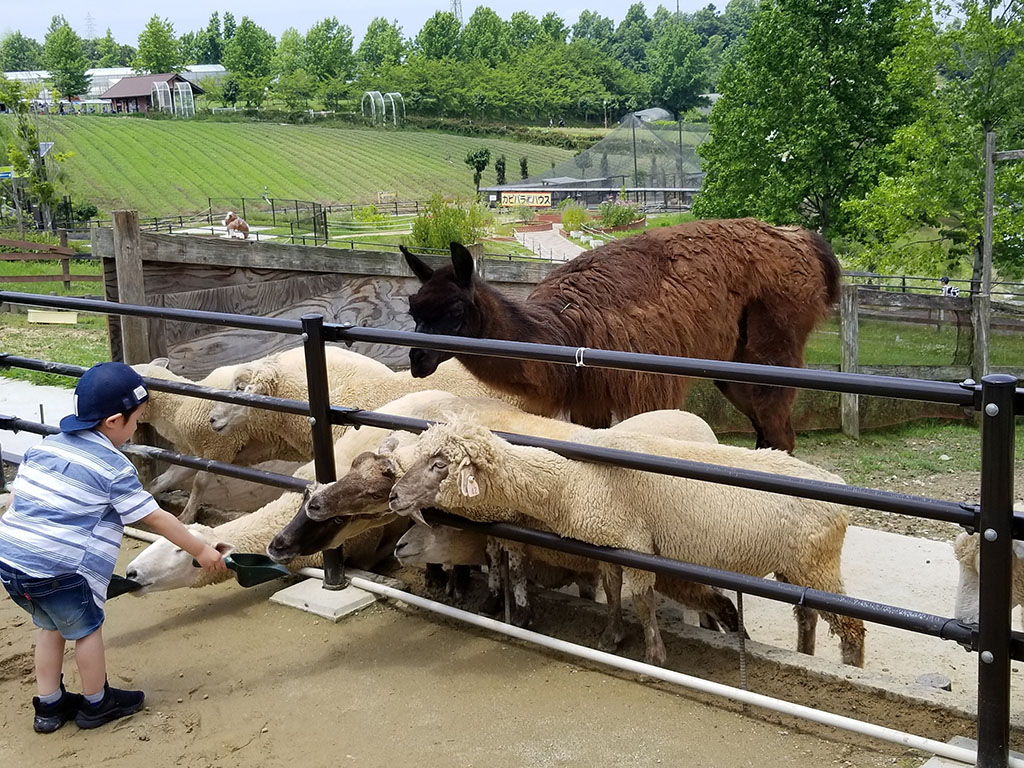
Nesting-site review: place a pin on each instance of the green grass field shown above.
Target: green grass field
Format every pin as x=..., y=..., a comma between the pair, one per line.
x=163, y=167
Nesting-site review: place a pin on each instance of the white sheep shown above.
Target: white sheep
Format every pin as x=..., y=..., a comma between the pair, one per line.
x=185, y=421
x=363, y=491
x=354, y=380
x=966, y=547
x=461, y=465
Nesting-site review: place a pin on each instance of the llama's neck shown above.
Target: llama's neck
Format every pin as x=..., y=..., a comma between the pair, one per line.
x=507, y=319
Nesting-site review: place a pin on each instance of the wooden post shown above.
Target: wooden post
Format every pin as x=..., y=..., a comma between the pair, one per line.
x=65, y=262
x=986, y=244
x=981, y=316
x=849, y=404
x=130, y=286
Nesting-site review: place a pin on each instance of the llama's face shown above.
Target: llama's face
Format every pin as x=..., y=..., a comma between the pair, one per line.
x=445, y=305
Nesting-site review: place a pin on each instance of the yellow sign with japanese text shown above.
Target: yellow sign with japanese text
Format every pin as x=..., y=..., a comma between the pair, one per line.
x=532, y=199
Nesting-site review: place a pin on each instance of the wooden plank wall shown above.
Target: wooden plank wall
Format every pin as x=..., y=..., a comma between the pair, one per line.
x=282, y=281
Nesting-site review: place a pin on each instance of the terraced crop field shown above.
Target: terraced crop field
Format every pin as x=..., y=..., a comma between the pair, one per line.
x=163, y=167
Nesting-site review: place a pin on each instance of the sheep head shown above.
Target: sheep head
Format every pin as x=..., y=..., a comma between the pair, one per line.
x=332, y=513
x=441, y=544
x=227, y=417
x=163, y=565
x=463, y=449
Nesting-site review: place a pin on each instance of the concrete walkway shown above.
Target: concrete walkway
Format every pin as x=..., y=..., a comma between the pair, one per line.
x=24, y=400
x=549, y=244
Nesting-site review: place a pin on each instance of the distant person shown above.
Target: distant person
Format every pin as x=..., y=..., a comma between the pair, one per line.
x=551, y=122
x=60, y=537
x=947, y=289
x=561, y=123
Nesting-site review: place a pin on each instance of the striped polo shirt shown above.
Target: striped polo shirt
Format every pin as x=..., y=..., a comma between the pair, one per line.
x=72, y=496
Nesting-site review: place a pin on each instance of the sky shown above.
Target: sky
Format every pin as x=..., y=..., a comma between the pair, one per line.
x=127, y=19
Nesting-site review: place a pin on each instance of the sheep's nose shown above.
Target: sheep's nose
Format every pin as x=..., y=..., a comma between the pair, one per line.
x=393, y=496
x=131, y=573
x=400, y=548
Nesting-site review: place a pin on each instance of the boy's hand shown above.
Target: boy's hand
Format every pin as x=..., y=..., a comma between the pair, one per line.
x=211, y=560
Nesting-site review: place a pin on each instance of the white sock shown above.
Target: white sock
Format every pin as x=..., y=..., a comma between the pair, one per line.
x=51, y=698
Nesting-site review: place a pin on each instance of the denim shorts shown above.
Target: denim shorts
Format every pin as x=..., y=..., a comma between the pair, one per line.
x=60, y=603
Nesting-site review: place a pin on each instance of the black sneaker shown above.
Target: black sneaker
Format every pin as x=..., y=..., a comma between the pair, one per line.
x=50, y=717
x=115, y=704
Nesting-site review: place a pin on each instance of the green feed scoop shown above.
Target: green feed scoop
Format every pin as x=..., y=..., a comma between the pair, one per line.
x=252, y=569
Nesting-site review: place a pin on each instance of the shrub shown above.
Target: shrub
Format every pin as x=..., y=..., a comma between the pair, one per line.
x=446, y=221
x=368, y=214
x=618, y=213
x=524, y=213
x=573, y=217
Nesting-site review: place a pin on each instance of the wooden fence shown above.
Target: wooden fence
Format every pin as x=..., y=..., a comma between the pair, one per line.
x=45, y=252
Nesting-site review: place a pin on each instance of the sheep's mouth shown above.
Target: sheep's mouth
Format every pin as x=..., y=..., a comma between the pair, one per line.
x=219, y=426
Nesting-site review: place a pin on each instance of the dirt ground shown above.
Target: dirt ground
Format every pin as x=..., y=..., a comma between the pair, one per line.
x=234, y=680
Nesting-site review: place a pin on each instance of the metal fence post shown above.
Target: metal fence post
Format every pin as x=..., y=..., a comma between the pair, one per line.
x=996, y=532
x=320, y=423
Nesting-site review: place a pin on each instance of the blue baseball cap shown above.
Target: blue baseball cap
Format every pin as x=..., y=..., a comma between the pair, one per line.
x=106, y=389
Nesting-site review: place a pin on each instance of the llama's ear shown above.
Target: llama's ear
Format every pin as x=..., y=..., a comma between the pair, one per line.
x=421, y=270
x=462, y=261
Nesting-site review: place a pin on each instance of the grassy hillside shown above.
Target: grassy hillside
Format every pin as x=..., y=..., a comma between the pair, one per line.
x=166, y=166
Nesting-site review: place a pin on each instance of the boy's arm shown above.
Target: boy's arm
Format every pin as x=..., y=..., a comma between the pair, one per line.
x=171, y=528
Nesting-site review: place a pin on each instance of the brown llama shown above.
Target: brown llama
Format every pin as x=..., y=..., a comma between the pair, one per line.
x=731, y=289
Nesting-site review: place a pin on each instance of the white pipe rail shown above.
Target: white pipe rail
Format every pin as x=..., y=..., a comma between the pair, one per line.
x=961, y=754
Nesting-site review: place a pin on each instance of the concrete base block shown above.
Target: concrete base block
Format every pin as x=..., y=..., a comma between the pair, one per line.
x=959, y=741
x=310, y=596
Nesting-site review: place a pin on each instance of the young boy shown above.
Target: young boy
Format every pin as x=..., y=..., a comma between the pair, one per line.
x=61, y=535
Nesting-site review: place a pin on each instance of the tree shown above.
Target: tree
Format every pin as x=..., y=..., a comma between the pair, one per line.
x=248, y=54
x=926, y=210
x=552, y=27
x=210, y=43
x=19, y=53
x=32, y=186
x=632, y=37
x=229, y=26
x=583, y=161
x=478, y=160
x=499, y=169
x=521, y=32
x=158, y=50
x=290, y=55
x=110, y=53
x=524, y=170
x=329, y=51
x=596, y=28
x=439, y=36
x=679, y=67
x=804, y=112
x=484, y=37
x=382, y=46
x=63, y=56
x=295, y=88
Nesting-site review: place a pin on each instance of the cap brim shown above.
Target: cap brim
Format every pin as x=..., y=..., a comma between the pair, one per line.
x=74, y=424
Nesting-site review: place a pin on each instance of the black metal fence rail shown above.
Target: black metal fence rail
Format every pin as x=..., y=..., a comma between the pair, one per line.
x=996, y=397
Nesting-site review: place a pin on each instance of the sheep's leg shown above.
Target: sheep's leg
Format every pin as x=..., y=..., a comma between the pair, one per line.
x=645, y=600
x=700, y=597
x=521, y=613
x=173, y=478
x=806, y=629
x=495, y=599
x=458, y=582
x=615, y=630
x=587, y=586
x=849, y=629
x=435, y=577
x=199, y=486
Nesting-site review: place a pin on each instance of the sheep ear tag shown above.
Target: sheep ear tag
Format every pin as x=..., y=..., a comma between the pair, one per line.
x=467, y=482
x=252, y=569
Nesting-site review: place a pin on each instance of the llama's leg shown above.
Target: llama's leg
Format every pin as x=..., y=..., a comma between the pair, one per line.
x=641, y=586
x=495, y=599
x=614, y=630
